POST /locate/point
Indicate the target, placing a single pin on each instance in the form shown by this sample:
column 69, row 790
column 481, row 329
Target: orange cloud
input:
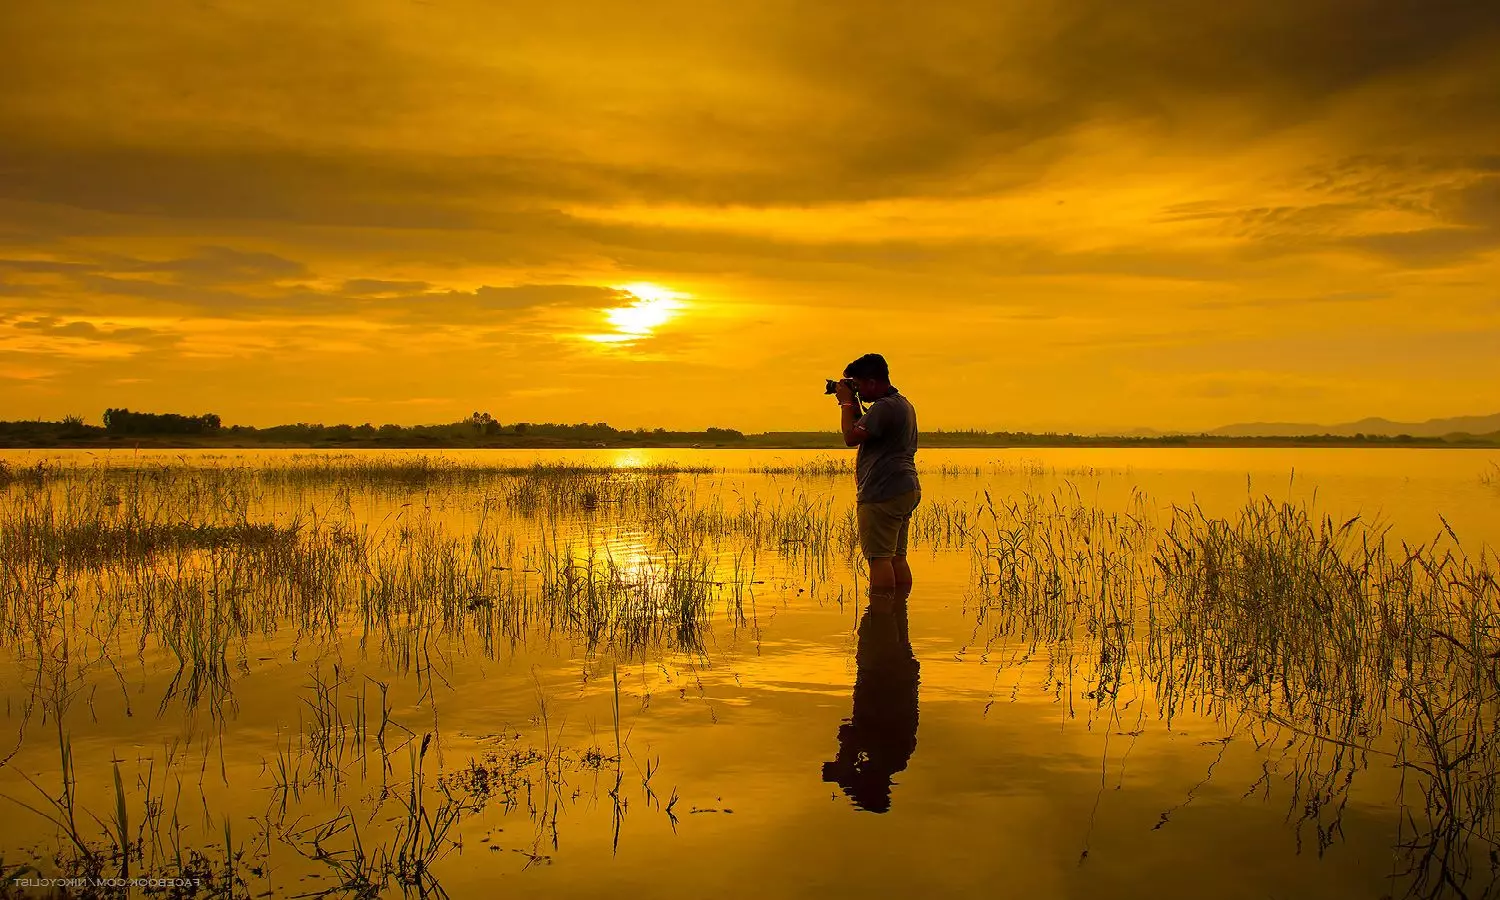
column 1054, row 204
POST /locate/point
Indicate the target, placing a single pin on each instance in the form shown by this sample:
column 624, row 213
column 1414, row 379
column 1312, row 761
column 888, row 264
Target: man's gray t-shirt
column 886, row 462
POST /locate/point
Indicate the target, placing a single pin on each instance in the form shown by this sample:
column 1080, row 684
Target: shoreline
column 929, row 442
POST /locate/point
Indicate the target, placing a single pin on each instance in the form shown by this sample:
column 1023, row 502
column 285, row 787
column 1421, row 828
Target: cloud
column 217, row 265
column 50, row 325
column 281, row 185
column 79, row 329
column 360, row 287
column 531, row 296
column 1429, row 246
column 50, row 337
column 786, row 106
column 1297, row 301
column 229, row 283
column 1477, row 203
column 43, row 266
column 1043, row 194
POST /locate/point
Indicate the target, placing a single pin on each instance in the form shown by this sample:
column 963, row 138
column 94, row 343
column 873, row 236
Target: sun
column 650, row 307
column 642, row 316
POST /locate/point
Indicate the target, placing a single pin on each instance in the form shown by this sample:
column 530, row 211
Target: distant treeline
column 1056, row 439
column 123, row 427
column 479, row 429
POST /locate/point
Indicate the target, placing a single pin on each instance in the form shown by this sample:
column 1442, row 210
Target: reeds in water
column 1329, row 630
column 1323, row 628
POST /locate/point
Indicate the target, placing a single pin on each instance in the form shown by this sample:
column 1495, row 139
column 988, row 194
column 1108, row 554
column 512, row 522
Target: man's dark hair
column 871, row 365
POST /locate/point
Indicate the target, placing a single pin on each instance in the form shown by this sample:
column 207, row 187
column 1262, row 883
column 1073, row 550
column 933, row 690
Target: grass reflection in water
column 1327, row 644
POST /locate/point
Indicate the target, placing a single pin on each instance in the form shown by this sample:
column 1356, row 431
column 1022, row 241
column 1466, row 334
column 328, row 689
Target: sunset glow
column 1141, row 219
column 649, row 307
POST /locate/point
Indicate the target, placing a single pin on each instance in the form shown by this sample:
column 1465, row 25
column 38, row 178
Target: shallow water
column 965, row 766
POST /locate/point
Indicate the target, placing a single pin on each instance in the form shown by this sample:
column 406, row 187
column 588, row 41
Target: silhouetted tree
column 484, row 423
column 123, row 421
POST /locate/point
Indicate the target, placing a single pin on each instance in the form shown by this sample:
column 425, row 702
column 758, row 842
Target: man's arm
column 849, row 414
column 853, row 434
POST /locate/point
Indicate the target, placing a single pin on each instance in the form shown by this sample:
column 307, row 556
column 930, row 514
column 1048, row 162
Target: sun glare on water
column 651, row 307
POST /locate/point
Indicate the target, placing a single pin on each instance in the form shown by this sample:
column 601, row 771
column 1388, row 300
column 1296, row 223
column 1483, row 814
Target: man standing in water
column 885, row 468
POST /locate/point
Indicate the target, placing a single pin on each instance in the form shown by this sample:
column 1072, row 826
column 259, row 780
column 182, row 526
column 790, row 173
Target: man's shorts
column 883, row 524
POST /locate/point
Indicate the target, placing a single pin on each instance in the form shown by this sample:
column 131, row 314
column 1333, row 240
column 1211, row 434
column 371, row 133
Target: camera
column 830, row 384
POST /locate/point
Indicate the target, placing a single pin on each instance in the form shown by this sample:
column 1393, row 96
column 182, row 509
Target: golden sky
column 1069, row 214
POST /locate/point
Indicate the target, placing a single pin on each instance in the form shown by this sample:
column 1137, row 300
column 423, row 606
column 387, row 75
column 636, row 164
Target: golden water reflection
column 747, row 739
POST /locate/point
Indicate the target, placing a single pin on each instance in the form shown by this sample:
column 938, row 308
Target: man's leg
column 900, row 573
column 877, row 534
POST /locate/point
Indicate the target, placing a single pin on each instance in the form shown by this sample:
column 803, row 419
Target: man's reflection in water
column 880, row 734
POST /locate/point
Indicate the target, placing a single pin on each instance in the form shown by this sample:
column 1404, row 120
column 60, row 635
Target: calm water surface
column 818, row 746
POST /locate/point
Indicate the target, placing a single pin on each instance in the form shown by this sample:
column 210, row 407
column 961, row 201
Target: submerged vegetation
column 1339, row 642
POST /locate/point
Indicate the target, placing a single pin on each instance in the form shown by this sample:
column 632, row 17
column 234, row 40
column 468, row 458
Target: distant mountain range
column 1431, row 428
